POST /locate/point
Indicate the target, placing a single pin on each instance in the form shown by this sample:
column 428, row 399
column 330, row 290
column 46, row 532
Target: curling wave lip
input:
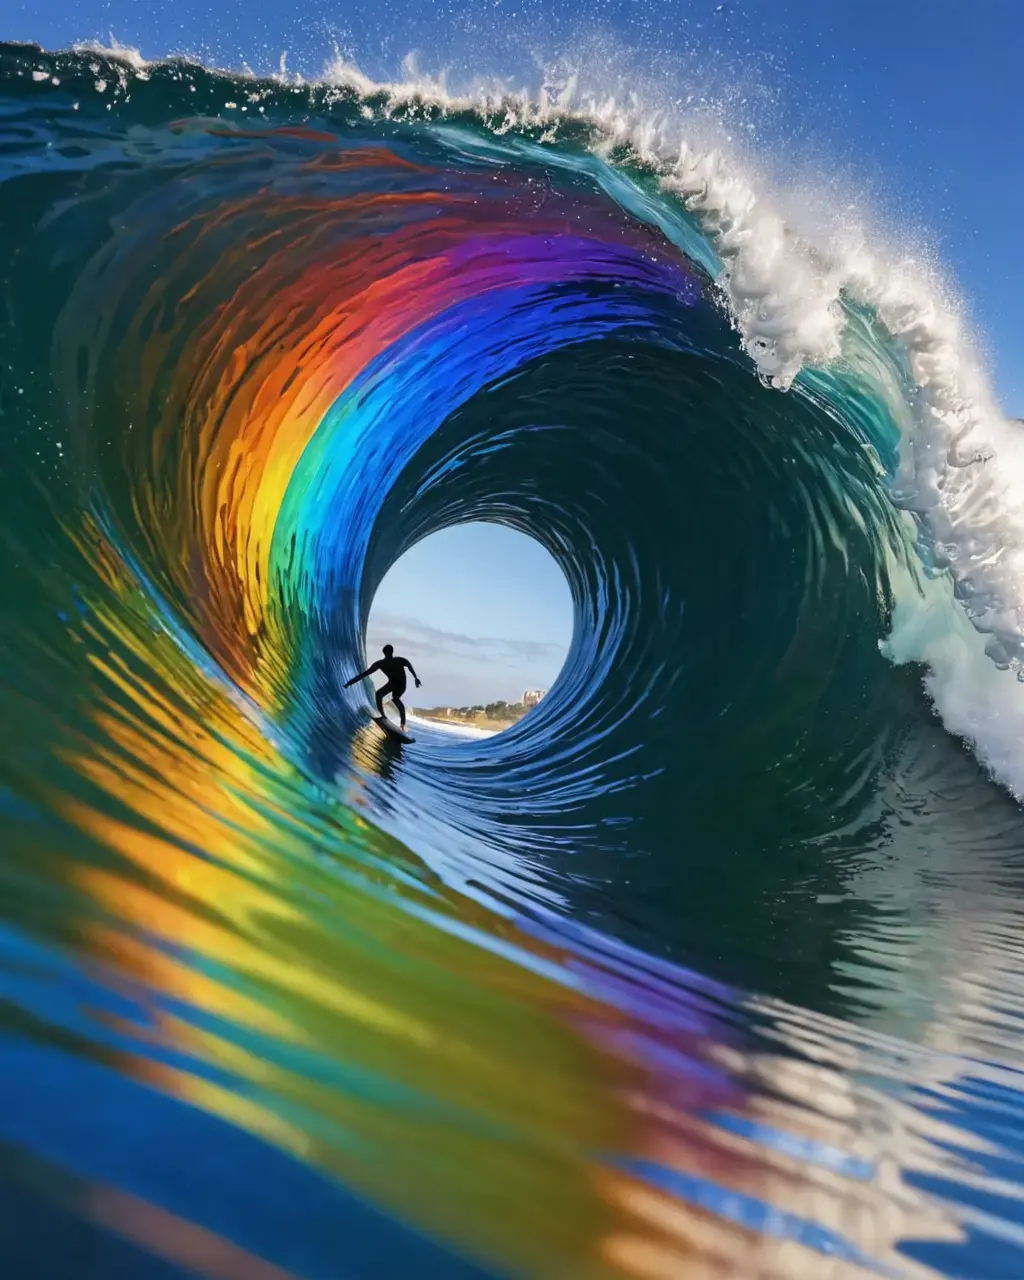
column 661, row 980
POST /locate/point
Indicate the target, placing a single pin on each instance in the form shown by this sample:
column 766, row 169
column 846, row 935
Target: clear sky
column 481, row 611
column 913, row 106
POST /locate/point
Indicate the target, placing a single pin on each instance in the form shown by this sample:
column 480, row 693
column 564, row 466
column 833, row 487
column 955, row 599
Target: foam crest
column 789, row 289
column 961, row 470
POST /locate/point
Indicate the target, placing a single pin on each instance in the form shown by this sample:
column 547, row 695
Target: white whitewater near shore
column 453, row 730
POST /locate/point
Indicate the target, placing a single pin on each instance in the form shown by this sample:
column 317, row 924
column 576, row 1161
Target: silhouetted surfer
column 394, row 668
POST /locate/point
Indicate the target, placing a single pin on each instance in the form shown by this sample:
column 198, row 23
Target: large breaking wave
column 258, row 339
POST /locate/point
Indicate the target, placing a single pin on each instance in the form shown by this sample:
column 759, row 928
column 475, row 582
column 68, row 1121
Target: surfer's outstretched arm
column 413, row 670
column 362, row 675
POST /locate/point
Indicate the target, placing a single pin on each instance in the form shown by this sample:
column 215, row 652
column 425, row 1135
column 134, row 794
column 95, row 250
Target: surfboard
column 392, row 730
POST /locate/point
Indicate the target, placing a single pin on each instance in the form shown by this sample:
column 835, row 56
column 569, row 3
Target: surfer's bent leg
column 382, row 693
column 401, row 707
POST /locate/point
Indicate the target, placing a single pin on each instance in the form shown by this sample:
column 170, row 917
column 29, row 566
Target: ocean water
column 711, row 966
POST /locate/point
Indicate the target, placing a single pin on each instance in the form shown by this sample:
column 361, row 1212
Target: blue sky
column 914, row 105
column 481, row 611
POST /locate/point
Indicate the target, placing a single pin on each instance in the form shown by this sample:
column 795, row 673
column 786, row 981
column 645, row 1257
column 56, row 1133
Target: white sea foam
column 962, row 460
column 453, row 730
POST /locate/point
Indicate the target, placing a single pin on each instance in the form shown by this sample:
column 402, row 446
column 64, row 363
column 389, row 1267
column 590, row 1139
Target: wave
column 260, row 338
column 819, row 297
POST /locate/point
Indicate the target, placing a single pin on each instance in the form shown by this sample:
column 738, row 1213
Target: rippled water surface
column 710, row 967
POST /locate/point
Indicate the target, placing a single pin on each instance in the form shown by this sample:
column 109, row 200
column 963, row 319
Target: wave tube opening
column 485, row 614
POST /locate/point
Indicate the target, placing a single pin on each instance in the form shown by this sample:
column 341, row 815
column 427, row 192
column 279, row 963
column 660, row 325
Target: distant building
column 532, row 696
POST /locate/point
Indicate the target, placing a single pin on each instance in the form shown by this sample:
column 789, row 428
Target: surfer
column 394, row 668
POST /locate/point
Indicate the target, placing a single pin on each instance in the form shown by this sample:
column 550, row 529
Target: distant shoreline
column 494, row 717
column 478, row 722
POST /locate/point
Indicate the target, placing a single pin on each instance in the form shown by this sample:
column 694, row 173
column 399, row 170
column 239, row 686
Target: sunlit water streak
column 710, row 966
